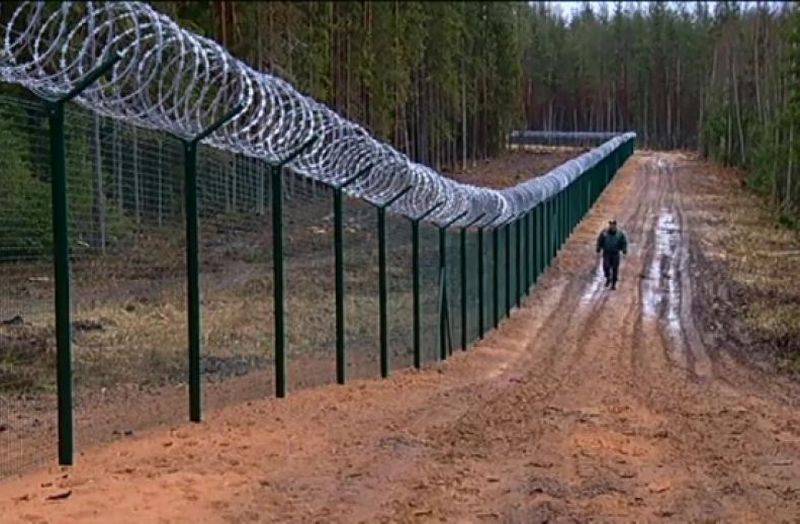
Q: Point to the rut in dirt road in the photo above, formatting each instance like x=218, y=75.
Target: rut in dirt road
x=586, y=404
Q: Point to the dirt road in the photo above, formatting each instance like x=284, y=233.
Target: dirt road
x=586, y=404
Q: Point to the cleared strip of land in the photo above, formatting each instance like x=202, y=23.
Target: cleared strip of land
x=587, y=403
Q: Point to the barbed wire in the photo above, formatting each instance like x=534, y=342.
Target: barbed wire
x=173, y=80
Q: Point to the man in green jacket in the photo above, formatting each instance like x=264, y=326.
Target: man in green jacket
x=611, y=241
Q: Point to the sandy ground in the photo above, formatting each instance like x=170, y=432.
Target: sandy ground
x=586, y=404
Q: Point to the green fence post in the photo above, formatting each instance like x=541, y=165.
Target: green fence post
x=549, y=232
x=194, y=322
x=537, y=240
x=519, y=253
x=554, y=228
x=463, y=263
x=338, y=253
x=537, y=270
x=555, y=225
x=495, y=275
x=527, y=235
x=382, y=293
x=63, y=317
x=61, y=261
x=415, y=281
x=463, y=234
x=443, y=306
x=480, y=282
x=279, y=278
x=508, y=266
x=279, y=304
x=382, y=286
x=338, y=263
x=562, y=218
x=193, y=298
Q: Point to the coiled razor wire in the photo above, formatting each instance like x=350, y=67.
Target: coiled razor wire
x=173, y=80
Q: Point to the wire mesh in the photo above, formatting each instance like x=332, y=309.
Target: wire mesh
x=512, y=267
x=362, y=337
x=453, y=243
x=310, y=284
x=27, y=333
x=429, y=292
x=237, y=277
x=471, y=244
x=128, y=276
x=502, y=270
x=400, y=296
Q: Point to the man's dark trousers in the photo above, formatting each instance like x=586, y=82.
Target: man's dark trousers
x=611, y=266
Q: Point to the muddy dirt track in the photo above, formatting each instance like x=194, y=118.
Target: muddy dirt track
x=587, y=404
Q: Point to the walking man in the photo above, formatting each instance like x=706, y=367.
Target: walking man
x=611, y=241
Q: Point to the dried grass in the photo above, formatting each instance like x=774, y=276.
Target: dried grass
x=737, y=232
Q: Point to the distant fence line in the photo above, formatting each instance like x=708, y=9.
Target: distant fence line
x=560, y=138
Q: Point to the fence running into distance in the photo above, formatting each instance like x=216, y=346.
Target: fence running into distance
x=323, y=257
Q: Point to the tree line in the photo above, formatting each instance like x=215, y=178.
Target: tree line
x=446, y=81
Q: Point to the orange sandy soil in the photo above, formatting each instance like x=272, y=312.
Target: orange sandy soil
x=586, y=404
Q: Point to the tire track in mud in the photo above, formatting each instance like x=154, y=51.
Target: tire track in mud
x=678, y=400
x=668, y=382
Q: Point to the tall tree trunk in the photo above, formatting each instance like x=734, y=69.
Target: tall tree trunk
x=463, y=114
x=738, y=110
x=757, y=72
x=787, y=203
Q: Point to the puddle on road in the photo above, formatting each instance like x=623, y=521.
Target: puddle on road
x=598, y=282
x=662, y=294
x=661, y=288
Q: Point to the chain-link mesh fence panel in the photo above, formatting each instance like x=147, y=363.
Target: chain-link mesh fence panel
x=362, y=336
x=472, y=286
x=27, y=323
x=310, y=284
x=236, y=278
x=400, y=291
x=502, y=268
x=453, y=247
x=128, y=276
x=429, y=292
x=512, y=267
x=488, y=280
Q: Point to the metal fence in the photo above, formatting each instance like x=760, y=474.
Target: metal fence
x=180, y=278
x=147, y=276
x=559, y=138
